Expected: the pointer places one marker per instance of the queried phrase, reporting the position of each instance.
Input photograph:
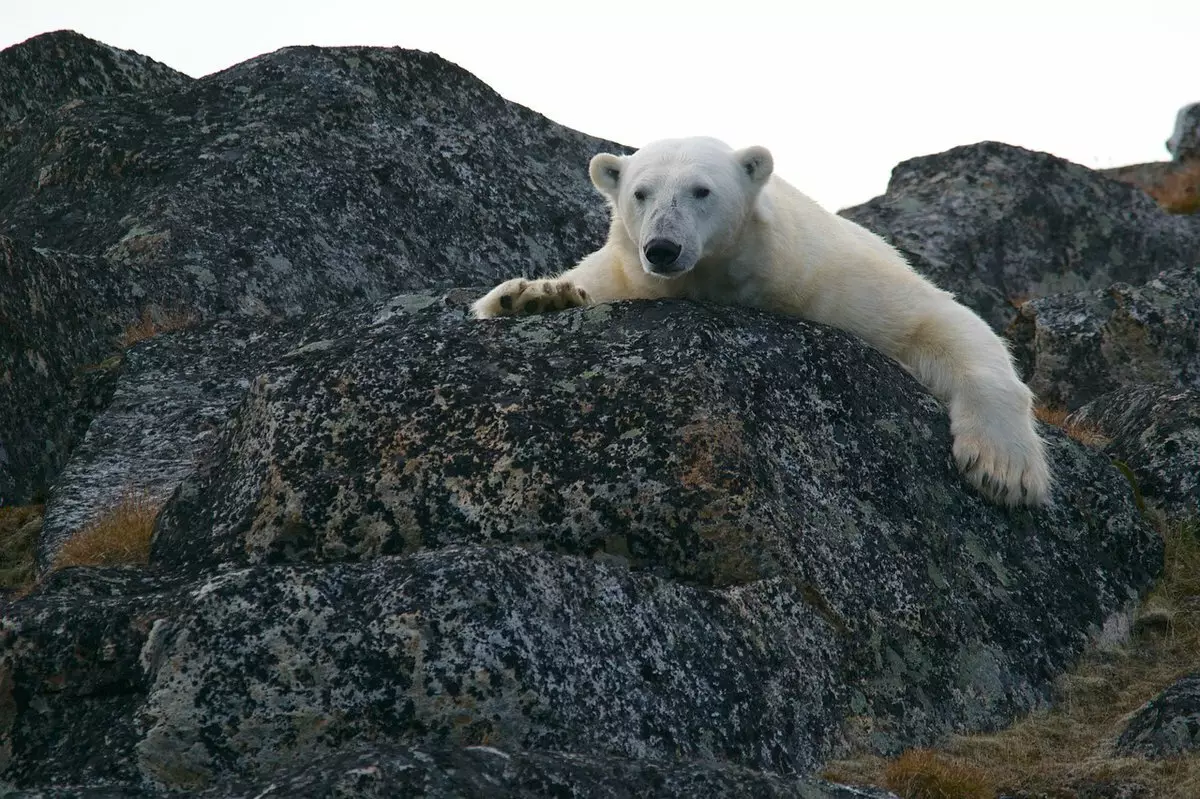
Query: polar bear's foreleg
(954, 354)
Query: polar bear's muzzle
(663, 256)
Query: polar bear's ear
(756, 163)
(605, 170)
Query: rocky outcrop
(663, 546)
(999, 225)
(1184, 144)
(47, 71)
(1154, 430)
(59, 320)
(1075, 347)
(173, 394)
(491, 772)
(300, 180)
(1168, 725)
(304, 179)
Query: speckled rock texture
(1168, 725)
(1184, 144)
(633, 462)
(1074, 348)
(45, 72)
(999, 225)
(649, 548)
(687, 533)
(1155, 430)
(486, 771)
(58, 326)
(402, 772)
(173, 393)
(303, 179)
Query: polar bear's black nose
(662, 252)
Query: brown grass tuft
(119, 536)
(1067, 750)
(154, 323)
(925, 774)
(1087, 434)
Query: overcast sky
(840, 96)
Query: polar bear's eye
(639, 195)
(700, 192)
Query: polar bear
(693, 218)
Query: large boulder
(172, 394)
(652, 530)
(46, 71)
(59, 321)
(1075, 347)
(1166, 726)
(1184, 144)
(303, 179)
(999, 225)
(1154, 429)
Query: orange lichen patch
(925, 774)
(1087, 434)
(153, 323)
(119, 536)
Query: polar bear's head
(682, 201)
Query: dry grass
(154, 323)
(925, 774)
(1179, 191)
(1066, 751)
(1087, 434)
(119, 536)
(19, 527)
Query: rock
(58, 327)
(1166, 726)
(305, 179)
(485, 771)
(1155, 430)
(411, 465)
(70, 677)
(1075, 347)
(999, 225)
(173, 393)
(46, 71)
(1184, 144)
(1174, 185)
(301, 180)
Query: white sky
(840, 90)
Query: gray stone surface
(655, 546)
(999, 225)
(172, 395)
(1073, 348)
(1155, 430)
(1184, 144)
(1168, 725)
(50, 70)
(303, 179)
(58, 326)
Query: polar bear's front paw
(1006, 466)
(521, 296)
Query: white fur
(756, 241)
